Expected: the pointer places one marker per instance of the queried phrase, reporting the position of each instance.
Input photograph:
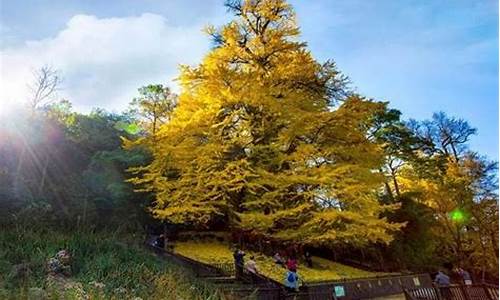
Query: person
(308, 259)
(278, 259)
(465, 276)
(291, 264)
(239, 262)
(160, 241)
(291, 281)
(443, 282)
(251, 265)
(442, 279)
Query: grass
(119, 262)
(323, 269)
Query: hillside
(105, 265)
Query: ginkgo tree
(268, 140)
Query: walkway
(261, 287)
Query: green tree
(460, 187)
(153, 107)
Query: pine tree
(266, 139)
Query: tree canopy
(268, 140)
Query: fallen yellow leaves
(212, 252)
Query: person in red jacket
(291, 264)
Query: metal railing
(415, 286)
(454, 292)
(362, 288)
(200, 269)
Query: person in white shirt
(251, 265)
(278, 259)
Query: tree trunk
(395, 181)
(459, 249)
(454, 150)
(494, 244)
(388, 189)
(396, 186)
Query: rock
(60, 264)
(64, 257)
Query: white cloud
(104, 61)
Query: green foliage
(447, 183)
(59, 166)
(417, 244)
(152, 108)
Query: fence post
(487, 292)
(437, 290)
(463, 289)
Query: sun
(7, 108)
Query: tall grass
(118, 261)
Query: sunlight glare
(7, 108)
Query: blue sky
(423, 56)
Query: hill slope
(105, 265)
